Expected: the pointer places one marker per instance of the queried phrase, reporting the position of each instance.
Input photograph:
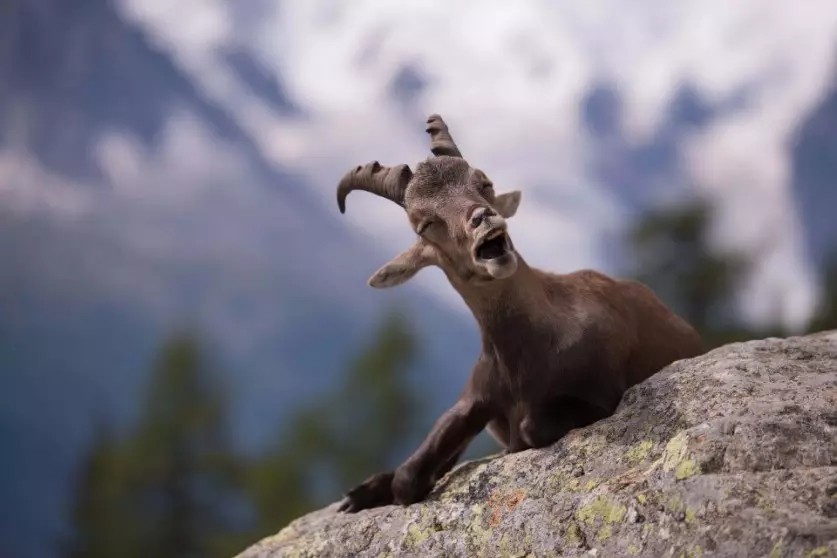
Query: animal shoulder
(585, 285)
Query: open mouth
(493, 246)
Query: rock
(733, 453)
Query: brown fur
(558, 351)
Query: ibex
(558, 351)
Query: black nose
(479, 215)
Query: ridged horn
(387, 182)
(441, 142)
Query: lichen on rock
(733, 453)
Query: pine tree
(825, 316)
(376, 400)
(344, 436)
(168, 488)
(672, 255)
(103, 523)
(185, 472)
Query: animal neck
(494, 303)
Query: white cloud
(509, 78)
(186, 230)
(190, 29)
(27, 189)
(189, 162)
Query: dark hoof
(374, 492)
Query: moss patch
(587, 445)
(605, 533)
(675, 504)
(591, 484)
(675, 458)
(685, 469)
(575, 536)
(479, 534)
(639, 452)
(603, 509)
(572, 484)
(415, 535)
(675, 451)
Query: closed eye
(423, 227)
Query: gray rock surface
(733, 453)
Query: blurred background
(189, 354)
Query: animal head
(459, 219)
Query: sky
(509, 80)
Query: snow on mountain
(511, 80)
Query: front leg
(414, 479)
(454, 430)
(437, 454)
(373, 492)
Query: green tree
(168, 488)
(101, 514)
(184, 469)
(346, 435)
(672, 254)
(375, 400)
(825, 316)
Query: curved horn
(387, 182)
(441, 142)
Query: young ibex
(558, 351)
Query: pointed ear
(506, 204)
(404, 266)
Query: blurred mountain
(814, 176)
(86, 298)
